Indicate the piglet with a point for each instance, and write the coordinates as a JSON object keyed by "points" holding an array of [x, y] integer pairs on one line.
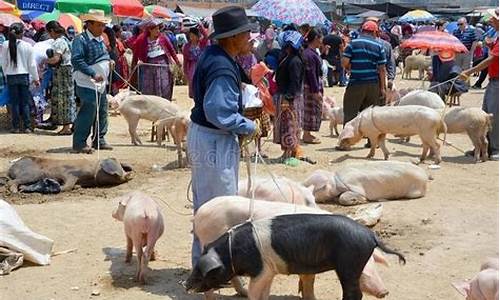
{"points": [[327, 104], [143, 224], [484, 286], [336, 117]]}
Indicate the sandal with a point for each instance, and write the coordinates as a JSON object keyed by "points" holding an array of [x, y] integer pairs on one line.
{"points": [[84, 150], [313, 141], [66, 132]]}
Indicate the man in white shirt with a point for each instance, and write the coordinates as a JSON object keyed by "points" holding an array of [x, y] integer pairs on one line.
{"points": [[91, 65]]}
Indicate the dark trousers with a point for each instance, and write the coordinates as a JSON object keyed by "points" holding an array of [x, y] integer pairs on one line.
{"points": [[19, 100], [482, 74], [87, 116], [358, 97]]}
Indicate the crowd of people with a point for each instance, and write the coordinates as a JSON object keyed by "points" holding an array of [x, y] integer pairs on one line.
{"points": [[299, 62], [290, 67]]}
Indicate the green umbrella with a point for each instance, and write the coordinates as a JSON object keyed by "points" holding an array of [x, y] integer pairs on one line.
{"points": [[83, 6]]}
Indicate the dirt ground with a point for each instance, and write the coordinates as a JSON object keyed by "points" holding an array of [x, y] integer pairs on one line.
{"points": [[444, 235]]}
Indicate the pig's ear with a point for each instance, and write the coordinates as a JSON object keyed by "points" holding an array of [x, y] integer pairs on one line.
{"points": [[462, 287], [112, 167], [210, 262]]}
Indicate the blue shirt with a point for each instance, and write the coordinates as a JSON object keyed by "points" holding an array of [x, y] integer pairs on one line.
{"points": [[467, 37], [217, 96], [86, 51], [365, 54]]}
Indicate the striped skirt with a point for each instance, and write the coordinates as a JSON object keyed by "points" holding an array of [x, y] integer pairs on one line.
{"points": [[62, 102], [157, 80], [286, 127], [312, 110]]}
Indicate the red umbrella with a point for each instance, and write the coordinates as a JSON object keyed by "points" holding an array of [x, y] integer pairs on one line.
{"points": [[435, 41], [127, 8]]}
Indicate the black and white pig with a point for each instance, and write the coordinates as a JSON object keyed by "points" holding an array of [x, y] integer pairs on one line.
{"points": [[288, 244]]}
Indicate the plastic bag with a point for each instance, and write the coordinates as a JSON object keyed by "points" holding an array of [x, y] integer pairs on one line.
{"points": [[251, 97]]}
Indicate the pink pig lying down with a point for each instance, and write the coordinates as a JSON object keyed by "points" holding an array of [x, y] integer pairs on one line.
{"points": [[143, 223], [220, 214], [370, 181], [376, 122], [289, 190], [484, 286]]}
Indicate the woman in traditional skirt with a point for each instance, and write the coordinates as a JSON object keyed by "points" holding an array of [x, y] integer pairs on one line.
{"points": [[62, 102], [191, 51], [290, 79], [153, 47], [122, 66], [313, 87]]}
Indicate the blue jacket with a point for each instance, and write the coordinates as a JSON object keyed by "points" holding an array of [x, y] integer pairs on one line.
{"points": [[217, 95], [86, 52]]}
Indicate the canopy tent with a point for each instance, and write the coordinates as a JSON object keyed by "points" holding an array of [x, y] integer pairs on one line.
{"points": [[391, 9], [194, 11], [372, 13]]}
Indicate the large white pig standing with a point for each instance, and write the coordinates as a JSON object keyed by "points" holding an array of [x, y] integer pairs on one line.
{"points": [[475, 122], [222, 213], [371, 181], [421, 97], [376, 122], [143, 224]]}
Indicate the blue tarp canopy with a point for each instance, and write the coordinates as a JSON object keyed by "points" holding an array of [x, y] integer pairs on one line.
{"points": [[39, 5]]}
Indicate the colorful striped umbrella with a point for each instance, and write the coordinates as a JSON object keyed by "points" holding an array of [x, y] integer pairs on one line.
{"points": [[8, 19], [65, 20], [434, 41], [160, 11], [6, 7], [417, 15], [120, 8], [290, 11]]}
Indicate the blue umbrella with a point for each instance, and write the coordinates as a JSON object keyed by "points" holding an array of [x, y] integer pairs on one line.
{"points": [[452, 26], [30, 15], [40, 5]]}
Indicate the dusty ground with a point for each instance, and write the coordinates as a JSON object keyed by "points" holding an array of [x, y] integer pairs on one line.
{"points": [[444, 235]]}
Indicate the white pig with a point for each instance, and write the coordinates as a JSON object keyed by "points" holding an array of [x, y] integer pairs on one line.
{"points": [[484, 286], [376, 122], [327, 104], [152, 108], [371, 181], [178, 128], [220, 214], [473, 121], [143, 223], [421, 97], [416, 62], [336, 117], [286, 190]]}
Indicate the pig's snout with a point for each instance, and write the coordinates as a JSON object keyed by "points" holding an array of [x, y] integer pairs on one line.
{"points": [[382, 294]]}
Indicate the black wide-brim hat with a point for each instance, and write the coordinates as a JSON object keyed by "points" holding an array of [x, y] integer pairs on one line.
{"points": [[229, 21]]}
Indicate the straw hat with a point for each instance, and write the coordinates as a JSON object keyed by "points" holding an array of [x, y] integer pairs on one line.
{"points": [[96, 15], [493, 12]]}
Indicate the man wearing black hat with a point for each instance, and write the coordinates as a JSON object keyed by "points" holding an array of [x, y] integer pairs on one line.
{"points": [[217, 118]]}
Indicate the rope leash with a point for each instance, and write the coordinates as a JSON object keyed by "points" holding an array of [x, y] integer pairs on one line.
{"points": [[97, 86]]}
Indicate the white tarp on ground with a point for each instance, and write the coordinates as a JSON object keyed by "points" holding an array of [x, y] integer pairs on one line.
{"points": [[17, 237]]}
